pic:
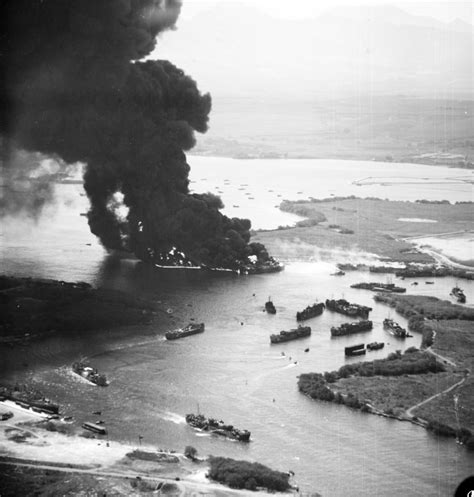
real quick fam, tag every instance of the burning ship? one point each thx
(344, 307)
(285, 336)
(350, 328)
(395, 329)
(380, 287)
(310, 312)
(190, 329)
(90, 374)
(458, 294)
(211, 425)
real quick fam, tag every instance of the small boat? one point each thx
(269, 307)
(375, 345)
(458, 294)
(190, 329)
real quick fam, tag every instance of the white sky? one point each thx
(444, 11)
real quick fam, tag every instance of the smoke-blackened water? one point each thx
(77, 88)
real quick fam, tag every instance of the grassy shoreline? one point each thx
(366, 226)
(439, 398)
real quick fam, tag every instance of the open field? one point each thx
(384, 128)
(370, 225)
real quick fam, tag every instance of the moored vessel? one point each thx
(349, 328)
(310, 312)
(90, 374)
(342, 306)
(190, 329)
(211, 425)
(395, 329)
(380, 287)
(354, 350)
(285, 336)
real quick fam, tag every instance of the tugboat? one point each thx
(349, 328)
(395, 329)
(285, 336)
(375, 346)
(458, 294)
(269, 307)
(211, 425)
(355, 350)
(190, 329)
(90, 374)
(310, 312)
(344, 307)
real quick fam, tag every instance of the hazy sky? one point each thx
(443, 11)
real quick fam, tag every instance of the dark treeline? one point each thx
(418, 306)
(247, 475)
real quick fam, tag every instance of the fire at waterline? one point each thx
(77, 88)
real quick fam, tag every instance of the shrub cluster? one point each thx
(247, 475)
(396, 364)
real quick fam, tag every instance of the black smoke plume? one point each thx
(76, 87)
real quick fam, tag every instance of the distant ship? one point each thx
(190, 329)
(269, 307)
(380, 287)
(310, 312)
(90, 374)
(349, 328)
(217, 427)
(285, 336)
(458, 294)
(395, 329)
(344, 307)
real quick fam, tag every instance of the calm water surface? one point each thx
(231, 370)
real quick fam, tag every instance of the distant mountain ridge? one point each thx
(236, 49)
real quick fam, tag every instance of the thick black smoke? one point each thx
(75, 87)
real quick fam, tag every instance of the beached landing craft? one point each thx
(215, 427)
(190, 329)
(350, 328)
(344, 307)
(310, 312)
(285, 336)
(395, 329)
(90, 374)
(458, 294)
